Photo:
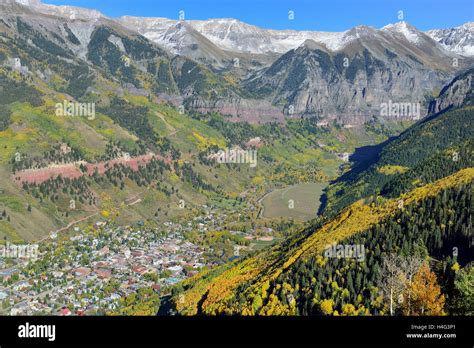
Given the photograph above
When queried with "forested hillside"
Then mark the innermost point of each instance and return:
(436, 147)
(426, 232)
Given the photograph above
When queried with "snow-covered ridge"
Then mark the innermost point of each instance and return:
(234, 35)
(459, 40)
(69, 12)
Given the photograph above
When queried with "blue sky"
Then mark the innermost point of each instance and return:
(323, 15)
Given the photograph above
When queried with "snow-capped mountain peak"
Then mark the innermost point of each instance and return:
(410, 33)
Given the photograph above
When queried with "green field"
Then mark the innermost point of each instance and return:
(305, 199)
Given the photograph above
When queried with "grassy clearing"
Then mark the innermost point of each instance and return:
(300, 202)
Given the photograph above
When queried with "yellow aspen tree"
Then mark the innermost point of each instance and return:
(425, 292)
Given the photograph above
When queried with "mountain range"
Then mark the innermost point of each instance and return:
(236, 36)
(262, 75)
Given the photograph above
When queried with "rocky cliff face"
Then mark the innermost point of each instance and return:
(374, 69)
(460, 92)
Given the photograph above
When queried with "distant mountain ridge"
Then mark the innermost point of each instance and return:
(458, 40)
(237, 36)
(70, 12)
(234, 35)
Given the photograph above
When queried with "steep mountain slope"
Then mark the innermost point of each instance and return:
(457, 93)
(183, 39)
(295, 277)
(71, 12)
(54, 68)
(126, 56)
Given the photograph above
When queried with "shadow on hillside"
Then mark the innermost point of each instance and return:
(362, 158)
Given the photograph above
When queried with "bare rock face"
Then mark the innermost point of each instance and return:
(239, 109)
(457, 93)
(352, 84)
